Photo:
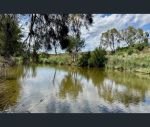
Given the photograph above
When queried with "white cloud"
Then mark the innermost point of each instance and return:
(104, 22)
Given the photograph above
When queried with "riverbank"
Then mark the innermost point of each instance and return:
(6, 62)
(136, 62)
(58, 59)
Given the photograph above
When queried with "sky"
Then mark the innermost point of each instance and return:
(103, 22)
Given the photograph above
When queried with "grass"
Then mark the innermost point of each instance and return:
(137, 61)
(135, 58)
(60, 59)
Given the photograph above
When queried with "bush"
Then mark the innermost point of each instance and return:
(98, 58)
(18, 60)
(122, 49)
(130, 51)
(83, 60)
(95, 59)
(64, 59)
(43, 55)
(140, 47)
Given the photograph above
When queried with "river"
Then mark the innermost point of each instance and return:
(63, 89)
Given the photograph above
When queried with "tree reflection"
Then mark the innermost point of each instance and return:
(9, 87)
(120, 87)
(96, 75)
(29, 71)
(125, 88)
(54, 76)
(70, 85)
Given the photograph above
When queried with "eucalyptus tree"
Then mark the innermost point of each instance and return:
(128, 35)
(113, 38)
(132, 35)
(75, 45)
(141, 36)
(47, 29)
(110, 39)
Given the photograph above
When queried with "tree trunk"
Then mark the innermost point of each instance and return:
(55, 50)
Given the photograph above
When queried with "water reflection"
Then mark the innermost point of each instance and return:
(126, 88)
(71, 89)
(9, 88)
(29, 71)
(70, 85)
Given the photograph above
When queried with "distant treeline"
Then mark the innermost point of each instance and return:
(113, 38)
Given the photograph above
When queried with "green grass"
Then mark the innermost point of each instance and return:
(63, 59)
(134, 59)
(139, 62)
(18, 60)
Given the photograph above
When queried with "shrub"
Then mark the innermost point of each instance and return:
(98, 58)
(130, 51)
(95, 59)
(18, 60)
(122, 49)
(83, 60)
(139, 47)
(43, 55)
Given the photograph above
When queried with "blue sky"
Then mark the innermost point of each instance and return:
(103, 22)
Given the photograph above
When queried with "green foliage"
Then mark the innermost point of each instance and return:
(140, 46)
(95, 59)
(130, 51)
(26, 57)
(83, 61)
(10, 35)
(49, 29)
(110, 39)
(45, 31)
(113, 38)
(121, 49)
(75, 44)
(134, 62)
(131, 58)
(43, 55)
(98, 58)
(63, 59)
(18, 60)
(135, 48)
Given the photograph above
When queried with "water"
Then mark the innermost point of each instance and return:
(62, 89)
